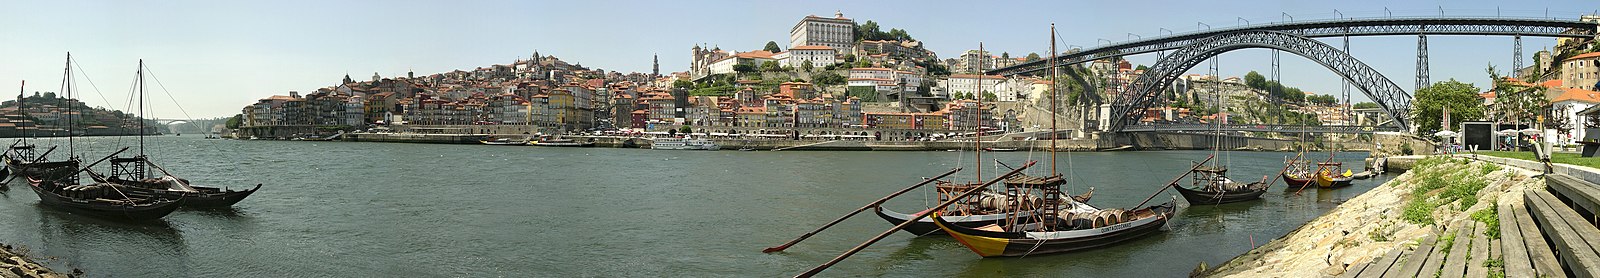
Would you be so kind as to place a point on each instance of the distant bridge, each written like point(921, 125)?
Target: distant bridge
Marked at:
point(1295, 37)
point(1261, 128)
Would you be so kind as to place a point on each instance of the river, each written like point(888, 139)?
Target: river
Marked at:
point(388, 209)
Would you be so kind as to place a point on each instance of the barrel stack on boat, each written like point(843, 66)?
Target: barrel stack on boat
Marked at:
point(100, 199)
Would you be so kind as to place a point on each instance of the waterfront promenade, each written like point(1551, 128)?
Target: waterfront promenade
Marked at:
point(1461, 216)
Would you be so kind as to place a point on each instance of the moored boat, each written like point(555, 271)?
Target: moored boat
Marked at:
point(684, 144)
point(504, 141)
point(1333, 175)
point(561, 142)
point(1065, 233)
point(1211, 186)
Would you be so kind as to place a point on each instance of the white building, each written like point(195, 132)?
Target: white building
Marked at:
point(968, 84)
point(819, 56)
point(838, 33)
point(753, 58)
point(885, 79)
point(1570, 102)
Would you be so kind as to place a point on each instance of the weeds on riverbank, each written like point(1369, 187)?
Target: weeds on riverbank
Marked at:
point(1440, 181)
point(1491, 221)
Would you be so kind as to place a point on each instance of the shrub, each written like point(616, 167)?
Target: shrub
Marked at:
point(1491, 220)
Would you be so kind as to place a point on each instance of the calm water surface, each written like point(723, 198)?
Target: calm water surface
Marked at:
point(376, 209)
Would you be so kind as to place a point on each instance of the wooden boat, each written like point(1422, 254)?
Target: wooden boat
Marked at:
point(100, 200)
point(988, 215)
point(132, 175)
point(1211, 186)
point(504, 142)
point(23, 163)
point(684, 144)
point(170, 188)
point(1073, 232)
point(1333, 175)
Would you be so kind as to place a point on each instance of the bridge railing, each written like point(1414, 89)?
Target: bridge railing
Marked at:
point(1261, 128)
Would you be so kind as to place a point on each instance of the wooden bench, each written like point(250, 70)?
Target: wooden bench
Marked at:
point(1572, 236)
point(1455, 262)
point(1523, 247)
point(1416, 260)
point(1376, 267)
point(1582, 195)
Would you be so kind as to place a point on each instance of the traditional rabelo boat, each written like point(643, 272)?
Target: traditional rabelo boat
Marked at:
point(1211, 186)
point(1332, 174)
point(1059, 227)
point(107, 200)
point(133, 175)
point(20, 158)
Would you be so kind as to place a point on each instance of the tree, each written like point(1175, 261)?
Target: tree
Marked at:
point(988, 96)
point(863, 64)
point(868, 31)
point(235, 121)
point(806, 66)
point(744, 68)
point(1365, 105)
point(1255, 81)
point(1033, 57)
point(1428, 110)
point(1005, 55)
point(682, 84)
point(770, 66)
point(1516, 101)
point(772, 46)
point(827, 78)
point(1141, 67)
point(685, 130)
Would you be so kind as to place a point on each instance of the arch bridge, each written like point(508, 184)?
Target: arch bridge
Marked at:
point(1296, 37)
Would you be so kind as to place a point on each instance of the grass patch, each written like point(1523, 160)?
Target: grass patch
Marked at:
point(1450, 242)
point(1563, 158)
point(1497, 267)
point(1491, 220)
point(1418, 211)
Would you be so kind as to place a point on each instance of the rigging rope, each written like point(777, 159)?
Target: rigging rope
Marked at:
point(174, 99)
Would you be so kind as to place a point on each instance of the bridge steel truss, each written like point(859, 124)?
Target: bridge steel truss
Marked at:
point(1332, 28)
point(1261, 128)
point(1144, 91)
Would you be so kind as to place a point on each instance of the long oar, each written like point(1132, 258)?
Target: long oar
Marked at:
point(913, 220)
point(853, 213)
point(1280, 175)
point(1174, 181)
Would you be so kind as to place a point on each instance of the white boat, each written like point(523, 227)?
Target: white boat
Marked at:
point(504, 141)
point(561, 142)
point(684, 144)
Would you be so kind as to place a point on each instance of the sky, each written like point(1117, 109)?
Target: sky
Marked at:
point(211, 58)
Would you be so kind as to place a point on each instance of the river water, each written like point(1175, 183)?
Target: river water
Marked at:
point(387, 209)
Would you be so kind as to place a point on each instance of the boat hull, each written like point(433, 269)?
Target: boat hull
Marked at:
point(135, 212)
point(1200, 197)
point(203, 197)
point(1326, 181)
point(926, 225)
point(53, 170)
point(988, 243)
point(1295, 183)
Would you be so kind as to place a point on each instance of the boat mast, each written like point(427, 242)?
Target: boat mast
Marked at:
point(977, 141)
point(22, 109)
point(1054, 74)
point(66, 84)
point(141, 116)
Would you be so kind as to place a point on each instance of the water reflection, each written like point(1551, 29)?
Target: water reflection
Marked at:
point(87, 242)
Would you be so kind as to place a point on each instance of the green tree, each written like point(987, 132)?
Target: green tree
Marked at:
point(235, 121)
point(863, 64)
point(744, 68)
point(685, 129)
point(1005, 55)
point(1255, 81)
point(1462, 98)
point(770, 66)
point(772, 46)
point(988, 96)
point(868, 31)
point(1516, 101)
point(1141, 67)
point(682, 84)
point(806, 66)
point(1033, 57)
point(1365, 105)
point(827, 79)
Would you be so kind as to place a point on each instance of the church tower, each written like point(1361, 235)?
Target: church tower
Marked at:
point(655, 65)
point(347, 79)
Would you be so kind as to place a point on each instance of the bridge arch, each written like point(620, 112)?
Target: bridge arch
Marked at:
point(1143, 92)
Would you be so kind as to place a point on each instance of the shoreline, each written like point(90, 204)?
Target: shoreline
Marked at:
point(14, 264)
point(1143, 142)
point(1380, 221)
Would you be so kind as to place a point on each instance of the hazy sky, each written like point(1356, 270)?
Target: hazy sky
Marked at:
point(215, 57)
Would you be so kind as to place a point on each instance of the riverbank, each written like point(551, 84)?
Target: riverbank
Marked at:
point(1017, 141)
point(1437, 192)
point(13, 264)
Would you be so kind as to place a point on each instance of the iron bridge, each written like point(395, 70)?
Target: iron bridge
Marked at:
point(1261, 128)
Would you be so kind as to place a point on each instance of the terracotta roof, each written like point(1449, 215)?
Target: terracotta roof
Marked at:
point(1552, 83)
point(755, 54)
point(1583, 56)
point(1579, 95)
